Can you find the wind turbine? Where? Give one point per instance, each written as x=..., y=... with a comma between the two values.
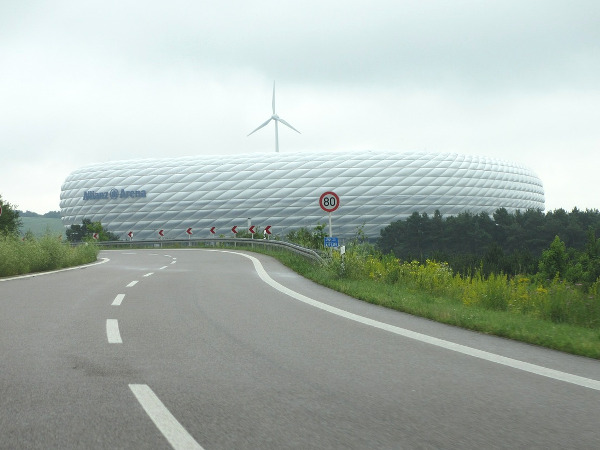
x=276, y=119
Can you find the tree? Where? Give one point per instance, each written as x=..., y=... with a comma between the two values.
x=9, y=218
x=511, y=243
x=590, y=259
x=307, y=238
x=553, y=262
x=85, y=232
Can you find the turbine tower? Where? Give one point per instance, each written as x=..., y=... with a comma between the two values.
x=276, y=119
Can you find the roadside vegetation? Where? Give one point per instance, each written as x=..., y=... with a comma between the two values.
x=29, y=254
x=556, y=305
x=20, y=256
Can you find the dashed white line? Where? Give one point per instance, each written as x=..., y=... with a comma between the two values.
x=148, y=274
x=167, y=424
x=173, y=262
x=112, y=331
x=118, y=299
x=459, y=348
x=133, y=283
x=163, y=267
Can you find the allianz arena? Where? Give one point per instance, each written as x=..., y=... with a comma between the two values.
x=283, y=190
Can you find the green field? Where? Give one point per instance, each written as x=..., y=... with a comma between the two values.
x=40, y=226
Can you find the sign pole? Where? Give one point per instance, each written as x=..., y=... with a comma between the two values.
x=189, y=233
x=329, y=202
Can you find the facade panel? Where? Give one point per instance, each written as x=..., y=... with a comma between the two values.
x=282, y=190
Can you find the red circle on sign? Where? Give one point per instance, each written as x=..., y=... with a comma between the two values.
x=329, y=201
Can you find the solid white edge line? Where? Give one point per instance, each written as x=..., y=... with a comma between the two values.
x=112, y=331
x=133, y=283
x=459, y=348
x=37, y=274
x=118, y=299
x=167, y=424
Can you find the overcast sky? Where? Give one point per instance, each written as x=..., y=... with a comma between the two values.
x=92, y=81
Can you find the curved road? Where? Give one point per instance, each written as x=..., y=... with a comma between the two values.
x=226, y=350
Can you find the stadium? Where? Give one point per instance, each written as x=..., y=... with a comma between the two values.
x=283, y=190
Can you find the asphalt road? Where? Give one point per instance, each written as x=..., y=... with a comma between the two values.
x=206, y=351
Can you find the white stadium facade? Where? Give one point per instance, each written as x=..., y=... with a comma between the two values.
x=282, y=190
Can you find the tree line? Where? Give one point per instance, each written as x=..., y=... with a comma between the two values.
x=510, y=243
x=48, y=215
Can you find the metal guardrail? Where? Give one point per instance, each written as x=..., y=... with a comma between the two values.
x=209, y=242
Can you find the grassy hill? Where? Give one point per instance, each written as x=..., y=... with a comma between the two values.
x=40, y=226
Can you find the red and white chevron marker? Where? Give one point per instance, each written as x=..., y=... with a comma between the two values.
x=161, y=233
x=234, y=229
x=268, y=229
x=252, y=229
x=212, y=230
x=189, y=231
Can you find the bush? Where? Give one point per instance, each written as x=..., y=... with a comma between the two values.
x=555, y=301
x=38, y=255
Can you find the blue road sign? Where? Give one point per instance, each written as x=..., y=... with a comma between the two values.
x=331, y=242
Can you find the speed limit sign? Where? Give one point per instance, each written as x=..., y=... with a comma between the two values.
x=329, y=201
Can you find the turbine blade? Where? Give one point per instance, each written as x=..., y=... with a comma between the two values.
x=287, y=124
x=264, y=124
x=273, y=97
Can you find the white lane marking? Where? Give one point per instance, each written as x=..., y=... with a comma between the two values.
x=459, y=348
x=148, y=274
x=37, y=274
x=168, y=425
x=163, y=267
x=112, y=331
x=173, y=262
x=118, y=299
x=129, y=253
x=133, y=283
